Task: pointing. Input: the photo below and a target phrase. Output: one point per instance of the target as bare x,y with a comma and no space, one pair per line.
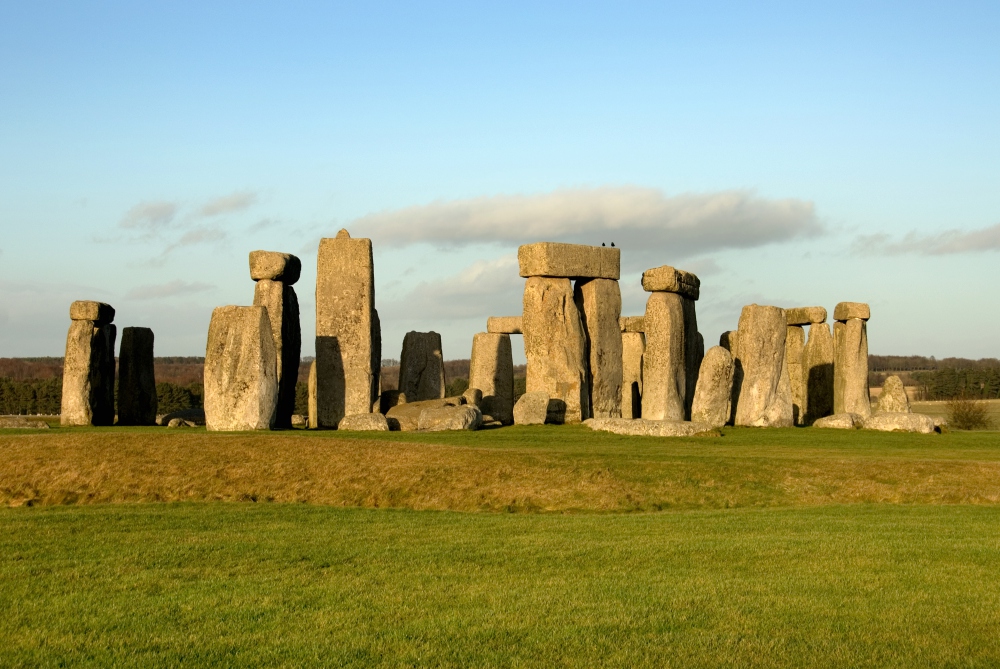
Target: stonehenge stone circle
664,378
715,387
573,261
805,315
491,370
504,325
765,394
641,427
531,408
241,370
633,348
599,302
817,372
462,417
421,367
283,312
795,343
845,311
850,367
364,422
631,324
137,402
274,266
88,387
893,398
347,331
667,279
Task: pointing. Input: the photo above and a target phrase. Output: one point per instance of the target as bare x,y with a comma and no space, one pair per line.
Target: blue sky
789,154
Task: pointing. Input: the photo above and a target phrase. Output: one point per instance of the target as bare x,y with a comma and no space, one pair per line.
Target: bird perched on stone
603,244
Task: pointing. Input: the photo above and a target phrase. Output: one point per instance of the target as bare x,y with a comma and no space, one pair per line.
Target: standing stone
311,387
664,378
504,325
241,370
555,348
283,312
765,397
633,348
795,343
376,359
421,367
728,340
850,367
631,324
88,387
715,387
694,352
893,397
346,373
137,402
817,373
600,304
491,370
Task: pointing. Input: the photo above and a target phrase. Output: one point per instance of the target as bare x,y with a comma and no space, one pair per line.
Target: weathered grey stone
283,312
406,417
88,386
491,370
364,422
669,279
555,348
311,387
195,416
805,315
463,417
850,368
89,310
298,420
900,422
632,324
504,325
241,370
795,344
893,397
845,311
640,427
22,423
599,302
346,378
421,367
531,408
840,421
473,396
765,395
664,376
817,372
137,402
715,387
574,261
274,266
633,348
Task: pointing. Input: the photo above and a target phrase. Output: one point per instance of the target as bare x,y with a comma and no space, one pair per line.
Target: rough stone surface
491,370
668,279
531,408
137,402
632,324
463,417
765,394
22,423
557,260
694,352
180,422
504,325
346,378
900,422
88,386
298,420
406,417
283,311
845,311
274,266
840,421
633,348
388,399
241,380
893,398
599,302
421,367
850,368
473,396
89,310
195,415
311,386
715,387
664,364
805,315
817,373
555,346
795,344
364,422
727,340
640,427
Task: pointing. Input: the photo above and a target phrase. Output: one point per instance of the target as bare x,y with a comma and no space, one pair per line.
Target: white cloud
945,243
170,289
149,217
229,204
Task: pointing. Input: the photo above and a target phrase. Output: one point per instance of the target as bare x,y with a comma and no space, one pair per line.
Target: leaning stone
531,408
491,370
473,396
283,311
89,310
631,324
463,417
765,395
840,421
715,387
504,325
817,372
664,380
893,397
795,343
241,382
421,367
406,417
311,388
195,415
364,422
283,267
640,427
850,368
668,279
805,315
574,261
137,400
900,422
555,348
88,384
633,348
848,310
599,302
22,423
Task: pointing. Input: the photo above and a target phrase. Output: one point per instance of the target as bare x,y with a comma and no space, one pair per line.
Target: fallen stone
640,427
795,343
364,422
715,387
137,401
463,417
22,423
664,364
298,420
900,422
765,394
274,266
847,310
491,370
180,422
632,324
89,310
473,397
805,315
283,312
531,408
840,421
817,373
669,279
599,302
406,417
88,385
893,398
504,325
633,348
574,261
194,415
850,368
421,367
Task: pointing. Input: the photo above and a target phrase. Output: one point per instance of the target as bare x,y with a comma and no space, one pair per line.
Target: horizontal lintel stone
558,260
504,325
845,311
275,266
632,324
805,315
89,310
667,279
